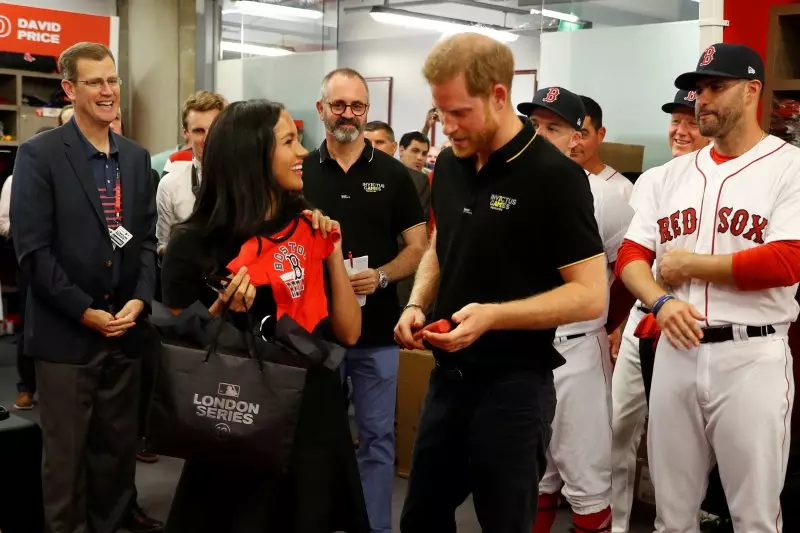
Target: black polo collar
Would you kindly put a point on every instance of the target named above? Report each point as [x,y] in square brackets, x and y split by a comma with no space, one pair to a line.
[512,149]
[368,153]
[91,151]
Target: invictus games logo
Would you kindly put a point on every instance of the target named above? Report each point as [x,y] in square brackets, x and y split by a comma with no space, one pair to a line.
[288,260]
[374,187]
[224,407]
[501,203]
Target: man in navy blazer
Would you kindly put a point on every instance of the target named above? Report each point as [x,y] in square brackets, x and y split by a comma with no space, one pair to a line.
[83,221]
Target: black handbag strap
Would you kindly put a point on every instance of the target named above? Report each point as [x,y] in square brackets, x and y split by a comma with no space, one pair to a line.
[253,350]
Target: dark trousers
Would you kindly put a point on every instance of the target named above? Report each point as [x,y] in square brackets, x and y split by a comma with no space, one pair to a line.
[715,502]
[26,370]
[89,425]
[481,434]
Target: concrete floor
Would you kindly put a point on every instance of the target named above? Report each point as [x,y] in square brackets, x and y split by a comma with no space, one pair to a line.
[156,482]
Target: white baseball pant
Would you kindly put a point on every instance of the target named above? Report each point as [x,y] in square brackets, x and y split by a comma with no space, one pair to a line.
[579,456]
[729,402]
[629,411]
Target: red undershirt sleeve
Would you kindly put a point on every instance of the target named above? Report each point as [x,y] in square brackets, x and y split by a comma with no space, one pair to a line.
[776,264]
[629,252]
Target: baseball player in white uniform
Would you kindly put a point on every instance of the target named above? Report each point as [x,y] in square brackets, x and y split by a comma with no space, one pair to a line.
[627,387]
[583,384]
[723,227]
[587,152]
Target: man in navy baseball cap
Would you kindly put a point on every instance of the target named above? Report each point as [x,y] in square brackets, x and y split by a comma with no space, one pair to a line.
[724,60]
[684,133]
[728,80]
[558,115]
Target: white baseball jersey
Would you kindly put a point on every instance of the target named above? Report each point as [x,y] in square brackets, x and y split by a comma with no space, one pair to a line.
[613,215]
[609,175]
[707,208]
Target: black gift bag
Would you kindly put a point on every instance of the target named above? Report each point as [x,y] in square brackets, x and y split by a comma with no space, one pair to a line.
[226,396]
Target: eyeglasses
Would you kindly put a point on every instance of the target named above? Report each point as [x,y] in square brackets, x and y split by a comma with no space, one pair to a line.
[358,108]
[96,83]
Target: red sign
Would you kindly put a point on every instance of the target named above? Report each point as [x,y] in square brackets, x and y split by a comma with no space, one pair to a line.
[31,30]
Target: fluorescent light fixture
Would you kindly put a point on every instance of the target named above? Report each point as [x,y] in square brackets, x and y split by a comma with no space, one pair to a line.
[566,17]
[261,9]
[408,19]
[255,49]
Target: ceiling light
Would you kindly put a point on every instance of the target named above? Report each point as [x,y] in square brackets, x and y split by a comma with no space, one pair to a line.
[408,19]
[261,9]
[255,49]
[567,17]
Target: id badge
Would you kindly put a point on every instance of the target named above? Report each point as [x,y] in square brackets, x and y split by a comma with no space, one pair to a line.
[120,236]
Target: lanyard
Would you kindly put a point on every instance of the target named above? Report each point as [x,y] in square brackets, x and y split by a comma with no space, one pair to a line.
[117,197]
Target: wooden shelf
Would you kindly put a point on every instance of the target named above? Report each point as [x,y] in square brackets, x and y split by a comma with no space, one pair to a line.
[786,85]
[9,144]
[783,59]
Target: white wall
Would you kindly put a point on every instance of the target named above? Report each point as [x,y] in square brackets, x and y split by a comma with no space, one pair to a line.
[402,58]
[92,7]
[154,68]
[291,80]
[629,71]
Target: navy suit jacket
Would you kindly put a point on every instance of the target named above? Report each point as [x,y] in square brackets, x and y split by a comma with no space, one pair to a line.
[62,243]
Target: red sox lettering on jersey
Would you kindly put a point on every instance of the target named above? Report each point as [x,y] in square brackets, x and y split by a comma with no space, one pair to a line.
[709,208]
[731,220]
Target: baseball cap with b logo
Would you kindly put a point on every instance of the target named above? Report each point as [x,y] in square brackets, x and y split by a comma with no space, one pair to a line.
[683,99]
[560,101]
[724,60]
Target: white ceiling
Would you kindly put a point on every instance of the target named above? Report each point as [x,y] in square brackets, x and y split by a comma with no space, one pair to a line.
[310,34]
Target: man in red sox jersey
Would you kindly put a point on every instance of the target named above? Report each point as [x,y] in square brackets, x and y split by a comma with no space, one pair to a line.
[723,226]
[628,386]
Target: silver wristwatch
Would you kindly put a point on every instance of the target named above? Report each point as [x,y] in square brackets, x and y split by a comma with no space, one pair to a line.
[383,279]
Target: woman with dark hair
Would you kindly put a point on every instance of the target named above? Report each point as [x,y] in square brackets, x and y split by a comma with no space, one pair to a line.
[252,187]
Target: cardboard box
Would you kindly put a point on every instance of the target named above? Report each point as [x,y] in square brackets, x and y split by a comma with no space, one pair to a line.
[623,157]
[412,387]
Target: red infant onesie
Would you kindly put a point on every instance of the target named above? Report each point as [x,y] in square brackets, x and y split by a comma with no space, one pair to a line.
[291,261]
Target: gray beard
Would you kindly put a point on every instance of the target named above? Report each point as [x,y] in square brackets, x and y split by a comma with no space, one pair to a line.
[345,136]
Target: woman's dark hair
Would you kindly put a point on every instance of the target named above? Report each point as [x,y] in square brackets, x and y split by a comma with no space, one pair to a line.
[239,197]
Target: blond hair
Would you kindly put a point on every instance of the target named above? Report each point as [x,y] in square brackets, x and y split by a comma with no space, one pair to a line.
[68,60]
[484,62]
[202,101]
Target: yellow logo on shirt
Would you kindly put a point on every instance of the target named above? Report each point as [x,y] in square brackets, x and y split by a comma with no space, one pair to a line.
[501,203]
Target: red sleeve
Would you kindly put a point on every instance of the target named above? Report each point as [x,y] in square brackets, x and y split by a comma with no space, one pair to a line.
[632,251]
[621,302]
[776,264]
[181,155]
[258,267]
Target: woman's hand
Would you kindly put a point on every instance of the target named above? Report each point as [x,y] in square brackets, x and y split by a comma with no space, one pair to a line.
[321,222]
[239,288]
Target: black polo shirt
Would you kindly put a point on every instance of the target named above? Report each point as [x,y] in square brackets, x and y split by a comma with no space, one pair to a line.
[375,202]
[503,234]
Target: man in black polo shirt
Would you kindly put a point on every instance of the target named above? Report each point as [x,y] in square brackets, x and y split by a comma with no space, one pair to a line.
[517,253]
[370,194]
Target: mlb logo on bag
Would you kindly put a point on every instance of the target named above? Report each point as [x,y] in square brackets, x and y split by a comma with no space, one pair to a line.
[226,389]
